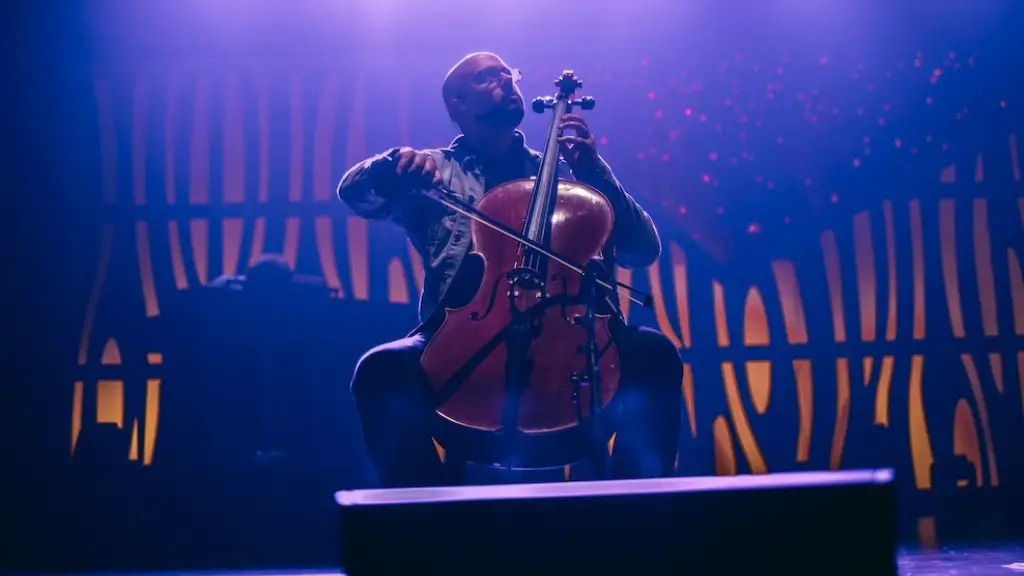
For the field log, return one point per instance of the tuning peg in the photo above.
(542, 103)
(586, 103)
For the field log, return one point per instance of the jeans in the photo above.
(396, 413)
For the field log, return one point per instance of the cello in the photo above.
(522, 371)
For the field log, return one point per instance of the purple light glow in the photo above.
(611, 487)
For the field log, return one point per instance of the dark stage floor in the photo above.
(953, 561)
(963, 561)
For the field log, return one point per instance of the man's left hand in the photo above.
(579, 151)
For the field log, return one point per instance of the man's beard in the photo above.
(507, 114)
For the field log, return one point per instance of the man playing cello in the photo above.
(393, 399)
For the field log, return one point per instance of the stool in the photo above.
(456, 461)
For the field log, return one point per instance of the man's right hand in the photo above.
(416, 168)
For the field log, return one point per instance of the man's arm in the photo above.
(635, 238)
(371, 189)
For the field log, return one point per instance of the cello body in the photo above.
(584, 221)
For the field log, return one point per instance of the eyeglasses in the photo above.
(489, 76)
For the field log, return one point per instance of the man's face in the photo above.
(490, 93)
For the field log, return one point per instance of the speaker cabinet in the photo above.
(788, 523)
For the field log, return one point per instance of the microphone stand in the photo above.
(591, 376)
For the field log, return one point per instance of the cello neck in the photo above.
(547, 177)
(544, 188)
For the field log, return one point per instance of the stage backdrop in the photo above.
(885, 335)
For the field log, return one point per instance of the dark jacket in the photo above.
(441, 236)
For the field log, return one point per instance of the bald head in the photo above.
(458, 75)
(480, 88)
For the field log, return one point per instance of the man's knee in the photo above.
(655, 358)
(386, 367)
